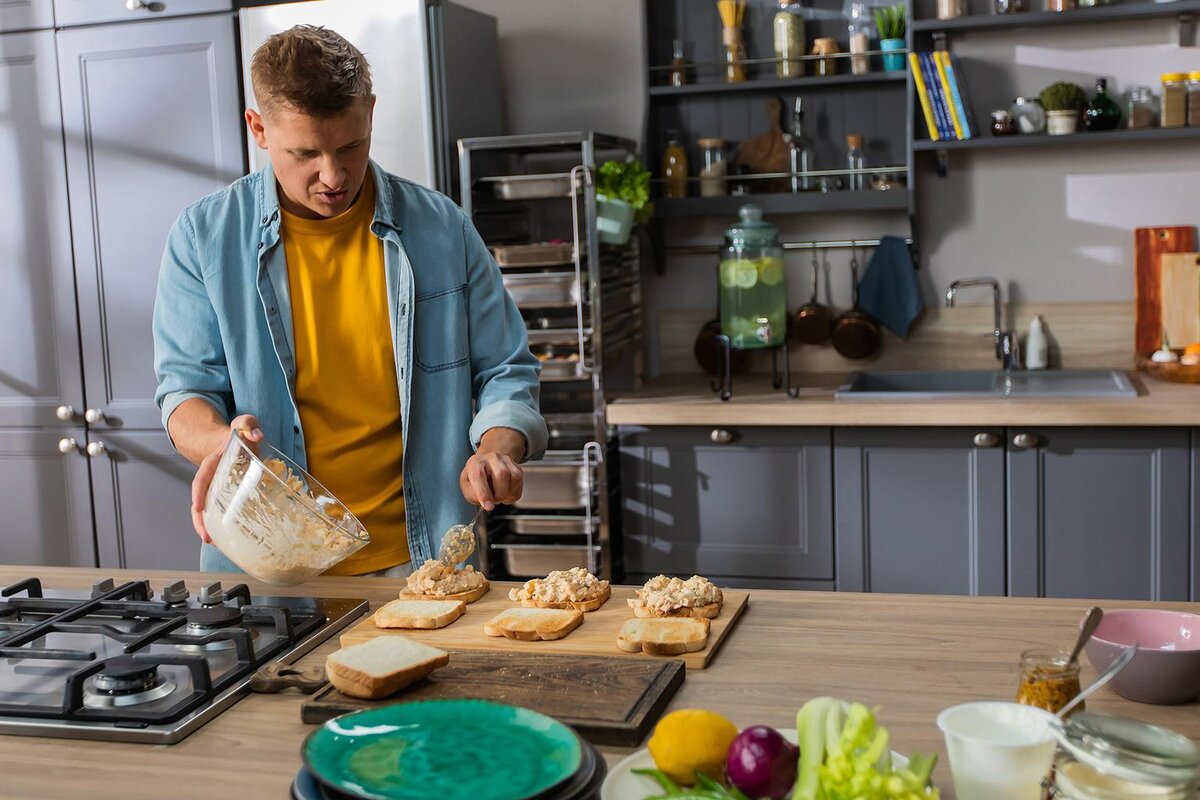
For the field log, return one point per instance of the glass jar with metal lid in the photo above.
(1112, 758)
(753, 294)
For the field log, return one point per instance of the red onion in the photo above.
(762, 763)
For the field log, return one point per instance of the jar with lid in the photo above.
(1049, 680)
(827, 48)
(1111, 758)
(860, 28)
(1029, 115)
(714, 168)
(678, 64)
(1193, 100)
(752, 294)
(674, 168)
(1141, 108)
(789, 40)
(1003, 123)
(1174, 99)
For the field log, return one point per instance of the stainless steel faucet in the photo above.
(1007, 349)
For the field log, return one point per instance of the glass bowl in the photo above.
(273, 519)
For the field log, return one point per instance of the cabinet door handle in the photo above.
(1025, 441)
(721, 436)
(68, 445)
(66, 413)
(95, 449)
(94, 415)
(986, 440)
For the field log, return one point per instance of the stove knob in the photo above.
(175, 593)
(102, 587)
(211, 595)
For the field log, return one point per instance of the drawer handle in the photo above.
(986, 440)
(95, 449)
(68, 445)
(1025, 441)
(721, 436)
(66, 413)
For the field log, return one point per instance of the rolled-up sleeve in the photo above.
(189, 356)
(504, 373)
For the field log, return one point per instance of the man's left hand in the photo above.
(493, 475)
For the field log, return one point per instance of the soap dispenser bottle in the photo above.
(1036, 348)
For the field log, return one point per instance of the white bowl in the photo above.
(998, 751)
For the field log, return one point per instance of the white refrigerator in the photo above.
(436, 72)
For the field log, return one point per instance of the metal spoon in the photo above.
(459, 542)
(1104, 678)
(1090, 623)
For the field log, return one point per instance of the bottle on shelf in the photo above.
(1103, 112)
(860, 27)
(674, 168)
(1037, 348)
(856, 181)
(801, 153)
(678, 64)
(714, 169)
(789, 40)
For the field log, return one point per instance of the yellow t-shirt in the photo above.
(346, 374)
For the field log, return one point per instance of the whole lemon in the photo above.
(692, 740)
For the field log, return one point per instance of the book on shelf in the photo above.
(952, 75)
(942, 93)
(947, 92)
(923, 96)
(940, 109)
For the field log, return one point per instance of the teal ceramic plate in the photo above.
(448, 749)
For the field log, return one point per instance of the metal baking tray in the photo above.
(532, 187)
(561, 369)
(563, 337)
(543, 290)
(536, 560)
(579, 428)
(544, 254)
(549, 525)
(559, 482)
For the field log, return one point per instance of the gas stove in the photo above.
(122, 663)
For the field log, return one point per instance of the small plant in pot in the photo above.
(892, 22)
(1063, 102)
(622, 198)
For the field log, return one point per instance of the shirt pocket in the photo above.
(440, 327)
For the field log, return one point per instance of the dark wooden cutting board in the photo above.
(609, 701)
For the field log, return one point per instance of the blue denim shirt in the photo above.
(223, 333)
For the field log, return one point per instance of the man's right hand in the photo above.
(247, 426)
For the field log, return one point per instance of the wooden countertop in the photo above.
(688, 400)
(913, 655)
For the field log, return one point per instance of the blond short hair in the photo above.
(311, 69)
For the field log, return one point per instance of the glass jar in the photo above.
(1110, 758)
(1029, 114)
(1003, 123)
(1174, 99)
(1141, 108)
(753, 293)
(827, 65)
(678, 64)
(735, 55)
(860, 28)
(714, 169)
(674, 168)
(1049, 680)
(789, 40)
(1061, 5)
(951, 9)
(1010, 6)
(1193, 100)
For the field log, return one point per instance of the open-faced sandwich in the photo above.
(574, 588)
(674, 597)
(436, 580)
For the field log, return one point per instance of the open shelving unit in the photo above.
(1120, 12)
(988, 142)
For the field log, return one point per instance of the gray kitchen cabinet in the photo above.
(45, 492)
(729, 503)
(920, 510)
(87, 12)
(153, 122)
(1099, 512)
(142, 494)
(23, 15)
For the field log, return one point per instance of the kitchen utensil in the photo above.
(596, 637)
(1181, 298)
(708, 351)
(608, 700)
(1090, 621)
(1106, 676)
(1167, 669)
(458, 543)
(1103, 756)
(813, 323)
(998, 751)
(855, 334)
(1149, 245)
(277, 676)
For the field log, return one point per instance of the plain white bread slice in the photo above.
(419, 613)
(531, 624)
(382, 666)
(664, 636)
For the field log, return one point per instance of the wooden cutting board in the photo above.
(609, 701)
(1181, 298)
(1149, 245)
(597, 636)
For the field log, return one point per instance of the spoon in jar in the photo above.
(1106, 676)
(1086, 629)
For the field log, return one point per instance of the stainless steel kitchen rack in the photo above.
(585, 323)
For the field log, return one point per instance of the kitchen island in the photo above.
(913, 655)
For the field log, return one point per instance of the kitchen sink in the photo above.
(987, 383)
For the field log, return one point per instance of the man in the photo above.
(350, 318)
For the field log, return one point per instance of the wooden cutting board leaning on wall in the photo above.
(1149, 245)
(1181, 298)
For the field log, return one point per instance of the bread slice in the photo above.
(664, 636)
(710, 611)
(466, 597)
(419, 613)
(532, 624)
(578, 605)
(382, 666)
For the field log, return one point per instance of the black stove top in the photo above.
(122, 662)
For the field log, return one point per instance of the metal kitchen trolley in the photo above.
(533, 199)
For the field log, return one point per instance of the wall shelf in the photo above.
(1078, 16)
(784, 203)
(1045, 140)
(781, 84)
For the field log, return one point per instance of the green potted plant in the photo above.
(1063, 102)
(622, 198)
(891, 22)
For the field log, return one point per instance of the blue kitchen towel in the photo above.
(889, 291)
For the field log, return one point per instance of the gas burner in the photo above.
(206, 621)
(126, 682)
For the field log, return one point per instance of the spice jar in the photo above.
(1048, 680)
(678, 64)
(859, 28)
(828, 47)
(1110, 758)
(674, 168)
(1174, 99)
(1193, 100)
(714, 169)
(1003, 123)
(951, 9)
(1141, 108)
(1061, 5)
(789, 40)
(1029, 115)
(1010, 6)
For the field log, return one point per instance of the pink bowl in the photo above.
(1166, 669)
